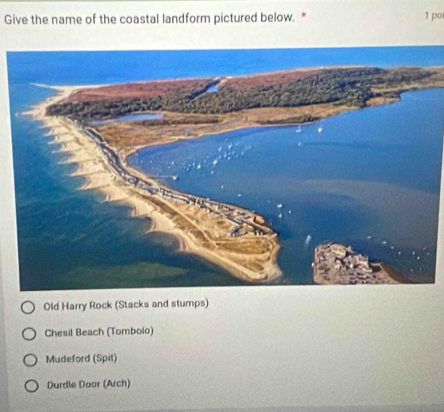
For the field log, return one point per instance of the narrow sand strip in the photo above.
(249, 257)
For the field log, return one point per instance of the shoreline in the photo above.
(164, 214)
(221, 128)
(372, 104)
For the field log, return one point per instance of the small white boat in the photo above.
(307, 240)
(320, 129)
(299, 129)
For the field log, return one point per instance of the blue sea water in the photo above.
(370, 178)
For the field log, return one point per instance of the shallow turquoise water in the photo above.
(71, 239)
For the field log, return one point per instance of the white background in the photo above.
(253, 347)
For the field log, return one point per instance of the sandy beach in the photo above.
(250, 257)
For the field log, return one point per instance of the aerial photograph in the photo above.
(264, 167)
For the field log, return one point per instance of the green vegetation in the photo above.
(342, 86)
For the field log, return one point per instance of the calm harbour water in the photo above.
(369, 177)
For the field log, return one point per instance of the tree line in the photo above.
(342, 86)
